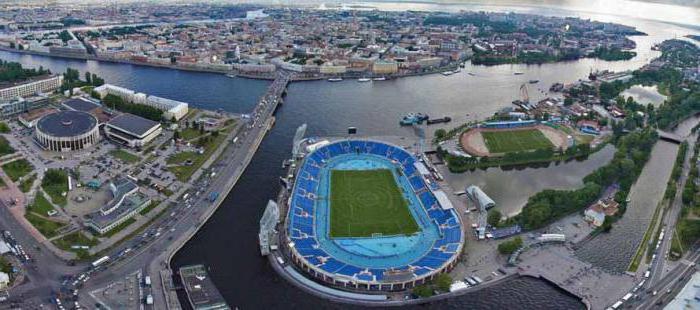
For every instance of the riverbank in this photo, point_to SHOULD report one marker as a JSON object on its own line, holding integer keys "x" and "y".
{"x": 235, "y": 73}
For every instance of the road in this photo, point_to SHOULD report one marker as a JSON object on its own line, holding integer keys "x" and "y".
{"x": 152, "y": 250}
{"x": 667, "y": 286}
{"x": 43, "y": 271}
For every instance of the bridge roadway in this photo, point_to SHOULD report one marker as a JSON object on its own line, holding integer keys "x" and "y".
{"x": 153, "y": 249}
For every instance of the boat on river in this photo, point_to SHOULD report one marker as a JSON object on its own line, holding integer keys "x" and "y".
{"x": 364, "y": 80}
{"x": 413, "y": 119}
{"x": 335, "y": 79}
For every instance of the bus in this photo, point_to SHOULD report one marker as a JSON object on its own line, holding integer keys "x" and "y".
{"x": 100, "y": 261}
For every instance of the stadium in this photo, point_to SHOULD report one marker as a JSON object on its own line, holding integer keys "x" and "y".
{"x": 366, "y": 215}
{"x": 67, "y": 131}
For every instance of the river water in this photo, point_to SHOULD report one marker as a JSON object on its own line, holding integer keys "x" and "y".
{"x": 614, "y": 250}
{"x": 227, "y": 244}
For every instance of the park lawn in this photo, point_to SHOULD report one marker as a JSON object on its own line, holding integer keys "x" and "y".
{"x": 56, "y": 189}
{"x": 177, "y": 161}
{"x": 368, "y": 202}
{"x": 509, "y": 141}
{"x": 124, "y": 156}
{"x": 48, "y": 228}
{"x": 5, "y": 147}
{"x": 76, "y": 238}
{"x": 40, "y": 206}
{"x": 190, "y": 133}
{"x": 26, "y": 183}
{"x": 17, "y": 169}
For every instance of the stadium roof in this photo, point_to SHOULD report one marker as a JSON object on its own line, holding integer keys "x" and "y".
{"x": 67, "y": 123}
{"x": 80, "y": 104}
{"x": 135, "y": 125}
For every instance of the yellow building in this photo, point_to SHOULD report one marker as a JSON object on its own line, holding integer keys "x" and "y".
{"x": 385, "y": 67}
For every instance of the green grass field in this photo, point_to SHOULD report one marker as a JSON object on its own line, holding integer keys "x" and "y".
{"x": 47, "y": 228}
{"x": 125, "y": 156}
{"x": 515, "y": 140}
{"x": 40, "y": 206}
{"x": 17, "y": 169}
{"x": 368, "y": 202}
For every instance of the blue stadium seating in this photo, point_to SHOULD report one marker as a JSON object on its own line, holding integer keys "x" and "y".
{"x": 364, "y": 277}
{"x": 302, "y": 230}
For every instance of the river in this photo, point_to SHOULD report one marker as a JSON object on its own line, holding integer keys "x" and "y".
{"x": 227, "y": 244}
{"x": 614, "y": 250}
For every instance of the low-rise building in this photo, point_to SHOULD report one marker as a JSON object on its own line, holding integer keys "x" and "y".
{"x": 125, "y": 203}
{"x": 385, "y": 67}
{"x": 21, "y": 105}
{"x": 45, "y": 85}
{"x": 596, "y": 213}
{"x": 171, "y": 108}
{"x": 132, "y": 130}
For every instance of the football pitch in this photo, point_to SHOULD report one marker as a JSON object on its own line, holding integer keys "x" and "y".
{"x": 515, "y": 140}
{"x": 368, "y": 202}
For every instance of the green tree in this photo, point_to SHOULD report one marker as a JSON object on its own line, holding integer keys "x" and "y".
{"x": 494, "y": 217}
{"x": 88, "y": 77}
{"x": 510, "y": 246}
{"x": 423, "y": 291}
{"x": 440, "y": 134}
{"x": 443, "y": 282}
{"x": 95, "y": 94}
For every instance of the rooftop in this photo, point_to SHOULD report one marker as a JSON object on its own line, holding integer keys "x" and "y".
{"x": 80, "y": 104}
{"x": 135, "y": 125}
{"x": 67, "y": 123}
{"x": 200, "y": 288}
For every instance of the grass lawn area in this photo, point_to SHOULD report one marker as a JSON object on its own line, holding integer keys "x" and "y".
{"x": 119, "y": 228}
{"x": 17, "y": 169}
{"x": 5, "y": 147}
{"x": 47, "y": 228}
{"x": 4, "y": 128}
{"x": 124, "y": 156}
{"x": 368, "y": 202}
{"x": 76, "y": 238}
{"x": 150, "y": 207}
{"x": 2, "y": 183}
{"x": 40, "y": 206}
{"x": 190, "y": 133}
{"x": 26, "y": 183}
{"x": 55, "y": 183}
{"x": 515, "y": 140}
{"x": 184, "y": 172}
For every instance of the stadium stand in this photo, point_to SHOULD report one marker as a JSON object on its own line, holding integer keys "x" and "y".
{"x": 308, "y": 248}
